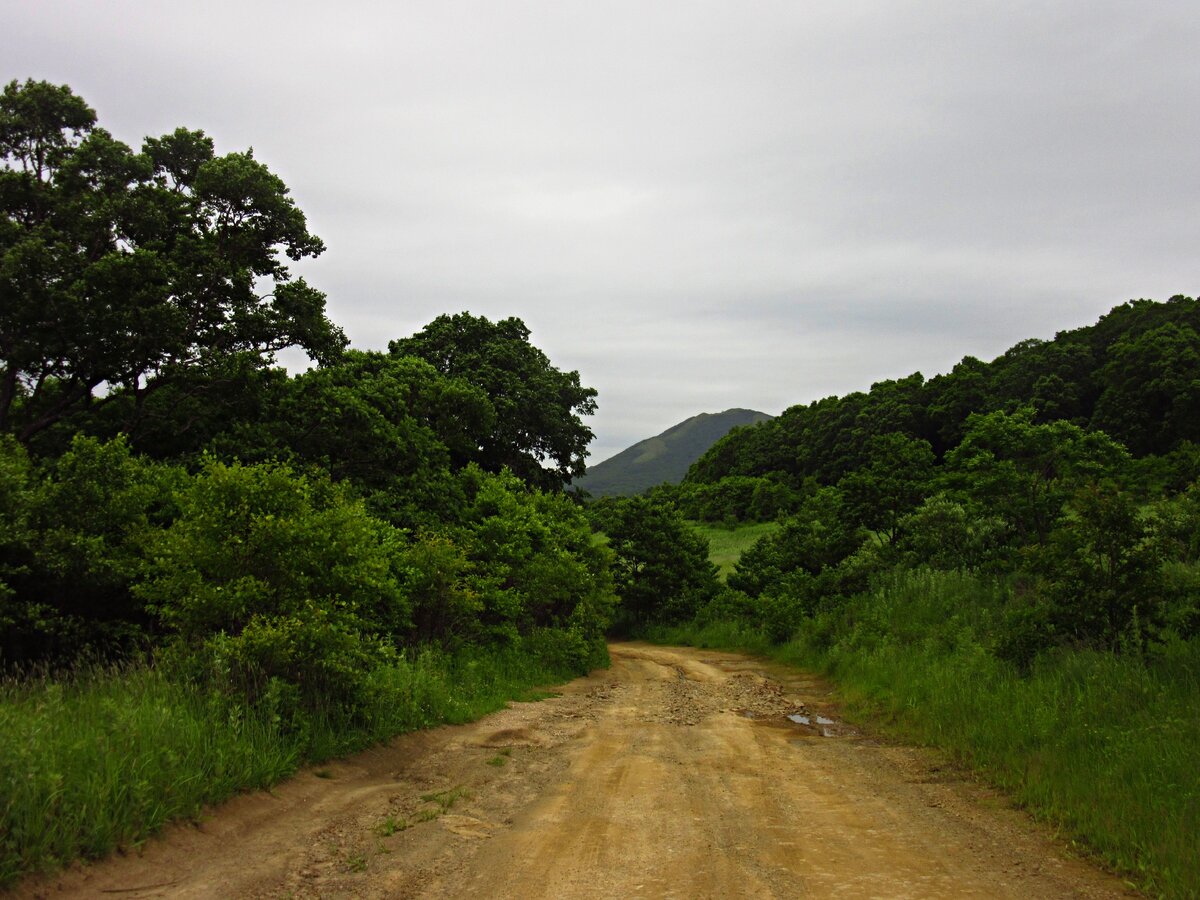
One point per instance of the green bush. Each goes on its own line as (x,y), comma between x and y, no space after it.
(661,569)
(817,538)
(75,546)
(1102,572)
(268,574)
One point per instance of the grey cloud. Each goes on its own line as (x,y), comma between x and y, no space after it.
(698,205)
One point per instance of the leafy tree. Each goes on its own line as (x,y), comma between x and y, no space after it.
(121,270)
(946,534)
(894,481)
(661,568)
(436,575)
(1103,571)
(818,537)
(85,522)
(17,540)
(533,560)
(184,416)
(1151,398)
(536,431)
(1024,472)
(735,498)
(388,425)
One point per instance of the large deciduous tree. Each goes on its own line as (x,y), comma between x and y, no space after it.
(122,269)
(537,431)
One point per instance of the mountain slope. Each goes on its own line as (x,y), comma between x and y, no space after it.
(665,457)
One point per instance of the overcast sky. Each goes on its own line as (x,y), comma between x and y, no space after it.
(696,204)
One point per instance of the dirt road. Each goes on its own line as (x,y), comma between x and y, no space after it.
(676,773)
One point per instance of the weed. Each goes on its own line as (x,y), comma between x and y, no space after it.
(447,799)
(391,825)
(323,773)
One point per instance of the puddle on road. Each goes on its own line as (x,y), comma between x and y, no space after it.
(809,725)
(821,727)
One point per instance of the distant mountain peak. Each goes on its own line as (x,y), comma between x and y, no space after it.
(664,457)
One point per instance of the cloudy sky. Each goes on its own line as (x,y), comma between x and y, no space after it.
(696,204)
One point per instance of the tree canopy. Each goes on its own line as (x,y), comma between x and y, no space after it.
(537,432)
(120,270)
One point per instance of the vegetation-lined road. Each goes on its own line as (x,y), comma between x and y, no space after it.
(676,773)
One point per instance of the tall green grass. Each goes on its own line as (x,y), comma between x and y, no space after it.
(104,758)
(1105,746)
(726,545)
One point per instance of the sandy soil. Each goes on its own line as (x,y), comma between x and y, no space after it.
(676,773)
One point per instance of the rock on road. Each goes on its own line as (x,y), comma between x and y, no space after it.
(676,773)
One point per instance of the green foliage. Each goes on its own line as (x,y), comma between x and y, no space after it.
(664,458)
(1103,572)
(661,567)
(1151,388)
(893,481)
(738,498)
(1178,525)
(387,425)
(435,574)
(79,548)
(1024,472)
(533,561)
(267,574)
(806,546)
(123,269)
(536,406)
(943,533)
(16,533)
(1134,373)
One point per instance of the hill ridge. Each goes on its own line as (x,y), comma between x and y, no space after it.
(664,457)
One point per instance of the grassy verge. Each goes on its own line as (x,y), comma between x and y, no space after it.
(726,545)
(105,758)
(1103,746)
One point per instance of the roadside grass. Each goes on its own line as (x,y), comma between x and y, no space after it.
(726,545)
(102,759)
(1103,746)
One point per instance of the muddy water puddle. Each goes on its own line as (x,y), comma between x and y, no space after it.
(800,723)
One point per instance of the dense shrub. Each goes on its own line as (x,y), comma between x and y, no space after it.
(817,538)
(268,574)
(661,568)
(75,546)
